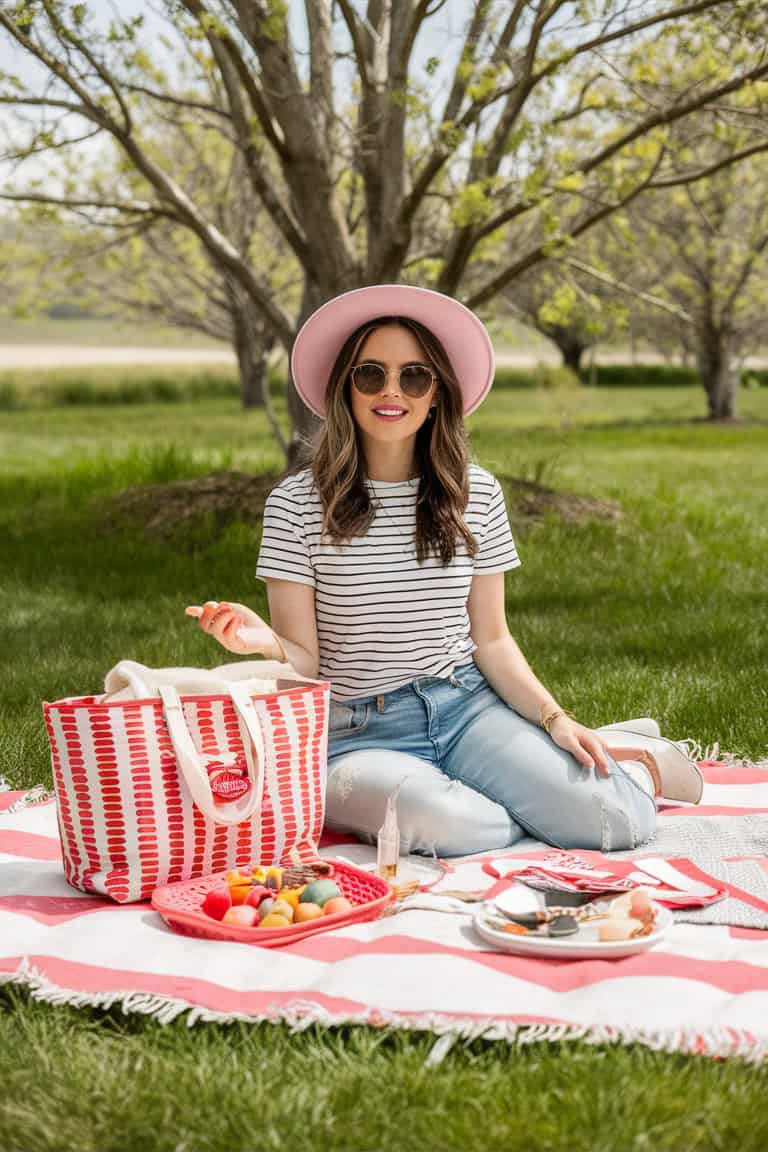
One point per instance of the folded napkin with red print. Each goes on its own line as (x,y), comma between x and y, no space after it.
(675,883)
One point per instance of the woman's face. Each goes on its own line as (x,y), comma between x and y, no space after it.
(393,347)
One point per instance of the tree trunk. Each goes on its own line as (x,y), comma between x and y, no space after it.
(572,353)
(571,347)
(304,424)
(715,357)
(252,367)
(253,341)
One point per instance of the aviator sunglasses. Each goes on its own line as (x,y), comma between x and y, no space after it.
(415,379)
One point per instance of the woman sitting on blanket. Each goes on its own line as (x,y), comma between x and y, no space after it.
(384,561)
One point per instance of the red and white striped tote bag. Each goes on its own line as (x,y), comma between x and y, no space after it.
(155,790)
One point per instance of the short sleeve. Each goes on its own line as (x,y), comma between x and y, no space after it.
(284,554)
(497,552)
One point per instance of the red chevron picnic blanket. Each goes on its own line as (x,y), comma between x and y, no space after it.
(705,989)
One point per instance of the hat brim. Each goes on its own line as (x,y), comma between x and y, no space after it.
(462,334)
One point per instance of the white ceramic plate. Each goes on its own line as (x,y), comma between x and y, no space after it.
(583,945)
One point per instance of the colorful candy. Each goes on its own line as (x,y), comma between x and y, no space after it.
(306,912)
(242,915)
(274,921)
(318,892)
(217,902)
(276,897)
(336,904)
(265,908)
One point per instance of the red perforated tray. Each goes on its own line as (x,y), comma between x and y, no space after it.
(180,905)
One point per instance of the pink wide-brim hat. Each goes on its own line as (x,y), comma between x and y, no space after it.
(462,334)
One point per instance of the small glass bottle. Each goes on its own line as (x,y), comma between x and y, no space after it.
(388,841)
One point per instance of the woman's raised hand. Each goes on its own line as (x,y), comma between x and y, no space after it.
(222,621)
(584,743)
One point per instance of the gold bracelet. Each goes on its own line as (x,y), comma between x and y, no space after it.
(283,655)
(548,720)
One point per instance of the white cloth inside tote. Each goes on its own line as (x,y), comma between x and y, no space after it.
(130,680)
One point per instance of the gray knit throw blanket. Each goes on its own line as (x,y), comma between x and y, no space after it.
(732,848)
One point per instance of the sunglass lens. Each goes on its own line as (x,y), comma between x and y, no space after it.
(369,378)
(415,381)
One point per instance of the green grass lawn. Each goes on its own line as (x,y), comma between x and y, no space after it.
(656,614)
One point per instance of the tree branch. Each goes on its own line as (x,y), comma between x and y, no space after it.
(88,108)
(692,178)
(65,35)
(495,285)
(440,153)
(578,107)
(622,286)
(136,207)
(224,252)
(626,30)
(321,66)
(180,101)
(43,102)
(258,100)
(755,250)
(669,116)
(246,143)
(358,43)
(50,146)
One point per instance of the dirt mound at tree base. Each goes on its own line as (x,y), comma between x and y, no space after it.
(528,500)
(178,512)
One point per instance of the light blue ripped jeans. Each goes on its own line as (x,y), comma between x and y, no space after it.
(476,775)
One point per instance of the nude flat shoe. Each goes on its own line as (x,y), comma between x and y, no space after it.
(643,724)
(675,776)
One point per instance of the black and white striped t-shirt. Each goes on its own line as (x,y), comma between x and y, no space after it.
(383,619)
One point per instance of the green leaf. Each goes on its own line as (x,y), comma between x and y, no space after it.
(472,205)
(572,183)
(275,24)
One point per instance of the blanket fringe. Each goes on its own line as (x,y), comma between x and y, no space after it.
(300,1015)
(735,761)
(712,752)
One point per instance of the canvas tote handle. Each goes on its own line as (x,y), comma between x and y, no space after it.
(191,763)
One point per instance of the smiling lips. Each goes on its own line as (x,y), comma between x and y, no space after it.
(393,413)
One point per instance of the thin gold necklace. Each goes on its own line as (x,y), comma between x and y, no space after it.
(411,549)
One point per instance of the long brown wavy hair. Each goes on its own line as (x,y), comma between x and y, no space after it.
(442,455)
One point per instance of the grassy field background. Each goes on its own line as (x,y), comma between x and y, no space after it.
(656,614)
(114,330)
(94,330)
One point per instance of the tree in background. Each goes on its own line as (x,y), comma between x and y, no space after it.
(117,250)
(568,306)
(143,264)
(713,237)
(694,259)
(345,174)
(158,271)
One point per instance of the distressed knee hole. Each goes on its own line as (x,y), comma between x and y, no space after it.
(344,778)
(618,830)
